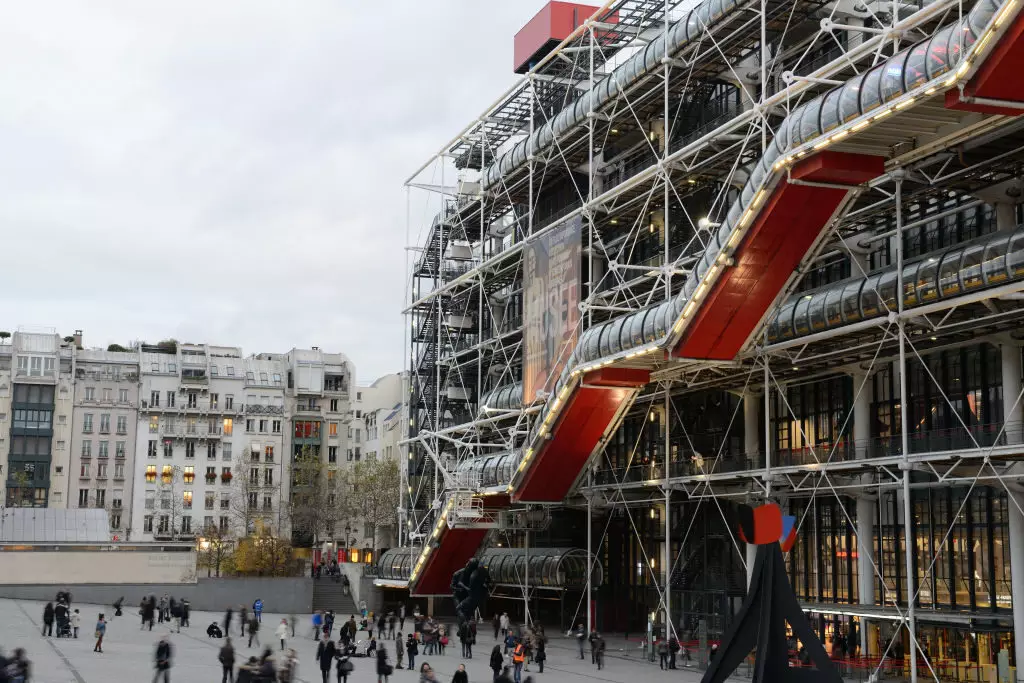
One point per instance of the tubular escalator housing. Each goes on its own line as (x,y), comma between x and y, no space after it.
(505,397)
(990,261)
(554,568)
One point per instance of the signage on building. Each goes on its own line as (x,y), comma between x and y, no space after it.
(552,278)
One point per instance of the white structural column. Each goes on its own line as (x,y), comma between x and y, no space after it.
(866,511)
(1013,410)
(752,450)
(862,415)
(1017,576)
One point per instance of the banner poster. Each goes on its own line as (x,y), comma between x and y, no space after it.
(552,282)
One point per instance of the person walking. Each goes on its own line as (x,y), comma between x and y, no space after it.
(673,650)
(226,657)
(101,630)
(542,654)
(599,647)
(497,661)
(148,612)
(662,655)
(186,612)
(504,622)
(460,675)
(48,616)
(254,630)
(282,632)
(391,625)
(318,623)
(227,621)
(401,616)
(344,668)
(243,618)
(384,670)
(412,649)
(381,625)
(325,654)
(163,660)
(581,638)
(427,674)
(496,622)
(289,672)
(399,650)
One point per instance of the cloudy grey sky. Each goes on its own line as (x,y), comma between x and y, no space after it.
(230,171)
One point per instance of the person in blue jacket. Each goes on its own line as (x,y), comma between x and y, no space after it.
(257,609)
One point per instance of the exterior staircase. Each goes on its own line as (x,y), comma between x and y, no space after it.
(328,595)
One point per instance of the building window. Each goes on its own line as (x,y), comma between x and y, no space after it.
(167,474)
(117,498)
(164,525)
(154,424)
(147,524)
(348,454)
(154,399)
(118,470)
(268,454)
(334,429)
(264,379)
(229,425)
(332,454)
(101,498)
(170,399)
(226,452)
(190,449)
(122,424)
(190,474)
(334,405)
(250,426)
(250,377)
(253,500)
(119,449)
(268,477)
(357,435)
(168,448)
(224,520)
(211,451)
(277,379)
(254,476)
(101,470)
(104,449)
(276,427)
(90,393)
(108,395)
(307,429)
(87,449)
(263,426)
(357,453)
(229,402)
(150,474)
(208,500)
(193,399)
(186,499)
(165,501)
(83,498)
(122,395)
(151,449)
(83,471)
(115,520)
(86,422)
(186,523)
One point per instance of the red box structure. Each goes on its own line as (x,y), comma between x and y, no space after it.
(548,28)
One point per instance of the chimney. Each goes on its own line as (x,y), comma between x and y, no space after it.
(78,339)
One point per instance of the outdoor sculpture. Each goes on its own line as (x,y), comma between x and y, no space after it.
(469,589)
(771,603)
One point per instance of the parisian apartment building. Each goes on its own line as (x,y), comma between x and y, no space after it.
(173,438)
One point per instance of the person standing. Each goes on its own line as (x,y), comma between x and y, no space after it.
(542,655)
(504,622)
(186,612)
(381,625)
(673,650)
(518,659)
(227,622)
(391,625)
(243,618)
(581,637)
(318,622)
(412,649)
(282,632)
(101,630)
(662,655)
(226,657)
(460,675)
(325,654)
(399,650)
(48,613)
(76,621)
(163,660)
(257,609)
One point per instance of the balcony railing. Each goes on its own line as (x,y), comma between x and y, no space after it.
(256,409)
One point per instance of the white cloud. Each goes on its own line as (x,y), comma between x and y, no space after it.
(231,171)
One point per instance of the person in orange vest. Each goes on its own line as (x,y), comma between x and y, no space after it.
(518,659)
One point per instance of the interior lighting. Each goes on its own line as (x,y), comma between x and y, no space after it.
(861,125)
(840,135)
(821,145)
(1002,13)
(758,198)
(883,114)
(906,103)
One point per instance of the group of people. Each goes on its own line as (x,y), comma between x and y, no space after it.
(66,620)
(597,645)
(262,669)
(251,620)
(164,610)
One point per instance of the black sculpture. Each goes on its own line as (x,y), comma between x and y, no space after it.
(770,603)
(470,586)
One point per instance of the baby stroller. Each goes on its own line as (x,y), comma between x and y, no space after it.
(64,628)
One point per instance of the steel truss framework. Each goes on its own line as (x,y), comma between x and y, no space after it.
(663,139)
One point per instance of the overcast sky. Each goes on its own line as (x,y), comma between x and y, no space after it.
(230,171)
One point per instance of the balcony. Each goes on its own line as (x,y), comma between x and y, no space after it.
(191,432)
(256,409)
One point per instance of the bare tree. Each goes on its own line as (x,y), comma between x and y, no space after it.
(315,508)
(20,495)
(172,504)
(248,494)
(215,549)
(375,494)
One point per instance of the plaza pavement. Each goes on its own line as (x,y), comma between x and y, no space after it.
(128,653)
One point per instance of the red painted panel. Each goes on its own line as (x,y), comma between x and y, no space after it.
(557,464)
(549,27)
(786,228)
(618,377)
(455,549)
(953,101)
(999,76)
(840,168)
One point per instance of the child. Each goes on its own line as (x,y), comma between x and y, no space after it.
(101,629)
(76,621)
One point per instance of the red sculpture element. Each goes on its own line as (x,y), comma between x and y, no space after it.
(761,525)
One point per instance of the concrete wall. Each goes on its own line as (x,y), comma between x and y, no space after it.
(97,566)
(279,595)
